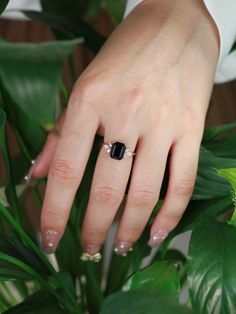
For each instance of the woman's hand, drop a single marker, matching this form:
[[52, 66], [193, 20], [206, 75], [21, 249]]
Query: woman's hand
[[149, 87]]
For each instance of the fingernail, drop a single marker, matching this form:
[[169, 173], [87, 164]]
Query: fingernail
[[158, 237], [50, 240], [91, 248], [29, 179], [122, 248]]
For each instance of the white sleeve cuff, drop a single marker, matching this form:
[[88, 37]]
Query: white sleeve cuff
[[223, 12]]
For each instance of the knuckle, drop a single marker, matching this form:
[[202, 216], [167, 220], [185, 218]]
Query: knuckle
[[193, 123], [143, 198], [184, 188], [85, 91], [108, 195], [64, 169]]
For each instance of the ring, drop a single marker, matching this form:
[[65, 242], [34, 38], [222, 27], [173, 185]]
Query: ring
[[118, 150]]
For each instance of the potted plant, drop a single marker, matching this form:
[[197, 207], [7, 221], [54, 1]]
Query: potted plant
[[31, 282]]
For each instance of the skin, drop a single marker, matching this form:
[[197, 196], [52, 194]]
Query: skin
[[149, 87]]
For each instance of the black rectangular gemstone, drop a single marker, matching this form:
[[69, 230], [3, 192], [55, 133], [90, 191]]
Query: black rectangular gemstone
[[117, 150]]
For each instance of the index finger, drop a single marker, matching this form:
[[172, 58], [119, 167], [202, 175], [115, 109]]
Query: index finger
[[66, 172]]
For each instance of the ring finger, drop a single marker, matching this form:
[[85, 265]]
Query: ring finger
[[107, 191]]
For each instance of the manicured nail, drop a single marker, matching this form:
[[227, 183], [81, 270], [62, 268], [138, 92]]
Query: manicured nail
[[29, 179], [122, 248], [91, 248], [91, 253], [158, 237], [50, 240]]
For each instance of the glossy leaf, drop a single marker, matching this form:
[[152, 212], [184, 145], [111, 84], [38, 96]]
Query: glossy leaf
[[30, 74], [211, 268], [3, 4], [198, 210], [141, 302], [223, 146], [208, 184], [160, 277]]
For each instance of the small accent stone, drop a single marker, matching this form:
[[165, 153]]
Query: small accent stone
[[117, 150]]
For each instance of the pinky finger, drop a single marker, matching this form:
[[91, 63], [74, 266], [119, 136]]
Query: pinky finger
[[183, 169]]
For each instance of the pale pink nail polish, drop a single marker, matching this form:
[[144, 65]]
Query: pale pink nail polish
[[50, 240], [158, 237], [122, 248], [91, 248]]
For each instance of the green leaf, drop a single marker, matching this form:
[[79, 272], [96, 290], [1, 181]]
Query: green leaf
[[230, 175], [3, 4], [94, 8], [160, 277], [30, 74], [67, 27], [10, 272], [212, 133], [14, 248], [211, 268], [66, 278], [141, 302], [208, 184], [38, 303], [116, 9], [223, 146], [69, 301], [198, 210], [73, 8]]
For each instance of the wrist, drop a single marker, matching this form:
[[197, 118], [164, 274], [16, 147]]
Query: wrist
[[187, 17]]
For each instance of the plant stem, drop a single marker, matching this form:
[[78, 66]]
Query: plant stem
[[6, 291], [94, 294], [118, 270], [22, 289]]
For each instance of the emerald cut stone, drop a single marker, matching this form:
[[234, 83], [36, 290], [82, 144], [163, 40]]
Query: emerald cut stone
[[117, 150]]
